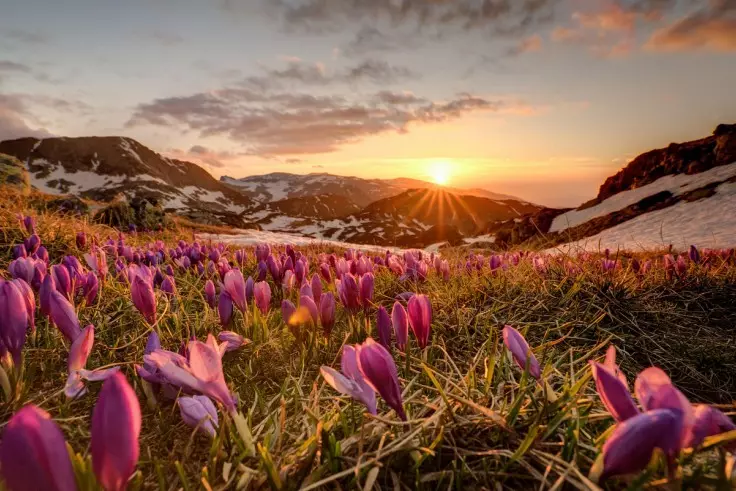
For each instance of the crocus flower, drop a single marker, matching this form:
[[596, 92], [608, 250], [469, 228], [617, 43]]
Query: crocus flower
[[383, 326], [308, 303], [199, 412], [262, 294], [327, 312], [249, 286], [351, 381], [33, 453], [316, 285], [44, 293], [273, 266], [379, 370], [225, 308], [144, 298], [287, 282], [116, 425], [78, 355], [168, 286], [299, 272], [32, 243], [400, 322], [693, 254], [19, 251], [209, 294], [23, 268], [349, 292], [324, 271], [234, 285], [366, 284], [13, 320], [231, 340], [611, 365], [62, 313], [63, 281], [287, 311], [306, 290], [419, 309], [613, 393], [520, 351], [29, 300], [91, 288]]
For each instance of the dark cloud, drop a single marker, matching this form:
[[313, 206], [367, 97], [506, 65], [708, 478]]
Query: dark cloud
[[11, 66], [712, 28], [379, 72], [370, 39], [271, 124], [25, 37]]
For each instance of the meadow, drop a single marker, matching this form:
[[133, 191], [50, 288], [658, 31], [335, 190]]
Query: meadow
[[267, 383]]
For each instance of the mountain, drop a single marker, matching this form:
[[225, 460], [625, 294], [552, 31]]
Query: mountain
[[109, 168], [413, 218], [280, 185], [679, 195]]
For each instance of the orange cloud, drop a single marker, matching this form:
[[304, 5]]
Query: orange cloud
[[693, 34]]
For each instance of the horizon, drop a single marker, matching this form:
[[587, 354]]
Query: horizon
[[540, 99]]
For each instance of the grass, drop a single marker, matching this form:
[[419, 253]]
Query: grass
[[475, 420]]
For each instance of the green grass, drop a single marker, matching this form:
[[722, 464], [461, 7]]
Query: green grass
[[475, 421]]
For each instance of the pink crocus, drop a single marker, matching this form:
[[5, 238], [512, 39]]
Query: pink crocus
[[234, 285], [365, 286], [62, 313], [520, 351], [379, 370], [327, 312], [116, 426], [351, 381], [13, 320], [91, 288], [262, 294], [225, 308], [308, 303], [384, 326], [419, 309], [231, 341], [144, 298], [29, 299], [349, 292], [33, 453], [210, 295], [400, 322], [316, 285]]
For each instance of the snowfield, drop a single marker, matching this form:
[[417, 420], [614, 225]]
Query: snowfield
[[709, 222], [252, 237], [677, 184]]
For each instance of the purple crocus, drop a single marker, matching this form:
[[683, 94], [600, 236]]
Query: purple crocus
[[168, 286], [225, 308], [144, 298], [23, 268], [324, 271], [613, 393], [349, 292], [351, 381], [308, 303], [91, 288], [419, 309], [384, 326], [210, 295], [249, 286], [199, 412], [231, 341], [63, 281], [379, 370], [44, 293], [366, 285], [33, 453], [116, 425], [287, 311], [62, 313], [327, 312], [316, 285], [400, 322], [694, 254], [262, 294], [30, 301], [520, 351], [234, 285], [13, 320]]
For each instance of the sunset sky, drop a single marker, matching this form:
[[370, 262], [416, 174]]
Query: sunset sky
[[541, 99]]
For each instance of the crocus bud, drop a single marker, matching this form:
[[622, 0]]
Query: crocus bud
[[233, 341], [349, 292], [29, 299], [419, 309], [225, 308], [44, 293], [694, 254], [520, 351], [81, 240], [299, 272], [262, 294], [209, 294], [168, 285], [234, 285], [13, 320], [367, 282], [383, 326], [400, 322], [33, 453], [62, 313], [306, 291], [23, 268], [351, 382], [308, 303], [316, 285], [613, 393], [327, 312], [144, 298], [32, 243], [91, 288], [324, 271], [379, 370], [63, 281], [199, 412], [116, 425], [78, 354], [249, 286], [19, 250]]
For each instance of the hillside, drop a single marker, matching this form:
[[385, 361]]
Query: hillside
[[109, 168], [684, 193]]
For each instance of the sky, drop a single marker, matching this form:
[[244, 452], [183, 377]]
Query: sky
[[541, 99]]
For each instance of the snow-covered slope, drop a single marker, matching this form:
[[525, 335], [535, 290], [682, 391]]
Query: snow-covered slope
[[708, 222]]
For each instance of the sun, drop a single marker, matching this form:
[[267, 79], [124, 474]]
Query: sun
[[440, 171]]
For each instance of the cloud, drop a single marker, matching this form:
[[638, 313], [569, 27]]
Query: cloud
[[166, 38], [370, 39], [11, 66], [204, 156], [526, 45], [25, 37], [14, 115], [710, 28], [287, 123]]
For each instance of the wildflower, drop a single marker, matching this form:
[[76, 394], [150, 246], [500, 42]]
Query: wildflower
[[613, 393], [262, 294], [324, 271], [62, 313], [33, 453], [316, 285], [168, 286], [693, 254], [116, 425], [379, 370], [44, 293], [225, 308], [287, 311], [249, 287], [63, 281], [383, 326], [13, 320], [144, 298], [210, 294], [308, 303], [231, 341], [81, 239], [365, 285], [327, 312], [306, 290], [29, 300], [199, 412], [24, 268], [349, 293], [234, 285], [520, 351], [351, 381], [400, 322], [419, 309], [91, 288]]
